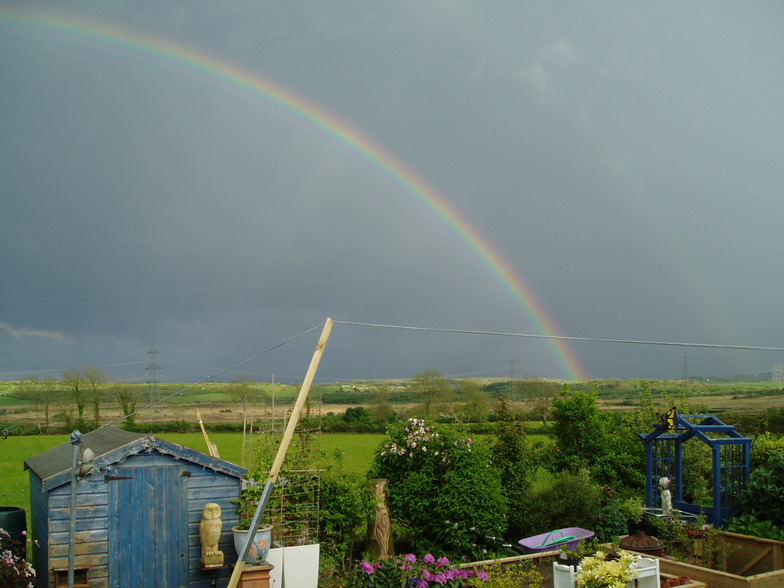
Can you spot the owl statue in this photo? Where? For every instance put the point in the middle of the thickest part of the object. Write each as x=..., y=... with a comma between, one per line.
x=209, y=533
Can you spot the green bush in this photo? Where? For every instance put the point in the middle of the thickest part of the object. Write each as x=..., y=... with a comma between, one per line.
x=750, y=525
x=573, y=499
x=763, y=496
x=517, y=462
x=521, y=573
x=442, y=486
x=610, y=521
x=346, y=504
x=602, y=443
x=763, y=447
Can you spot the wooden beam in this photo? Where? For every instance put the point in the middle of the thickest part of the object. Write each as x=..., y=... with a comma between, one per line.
x=281, y=455
x=211, y=447
x=755, y=560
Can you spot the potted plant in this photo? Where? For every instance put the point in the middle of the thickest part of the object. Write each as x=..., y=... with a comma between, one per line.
x=291, y=514
x=572, y=557
x=641, y=531
x=262, y=540
x=634, y=511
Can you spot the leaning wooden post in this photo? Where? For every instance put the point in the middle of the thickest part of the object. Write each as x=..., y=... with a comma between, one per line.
x=281, y=455
x=211, y=447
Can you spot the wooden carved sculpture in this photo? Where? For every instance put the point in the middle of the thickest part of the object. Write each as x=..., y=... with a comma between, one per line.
x=380, y=532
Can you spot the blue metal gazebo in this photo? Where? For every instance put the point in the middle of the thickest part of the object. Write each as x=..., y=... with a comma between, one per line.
x=664, y=458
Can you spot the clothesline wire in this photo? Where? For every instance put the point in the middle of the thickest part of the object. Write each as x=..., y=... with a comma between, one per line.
x=561, y=337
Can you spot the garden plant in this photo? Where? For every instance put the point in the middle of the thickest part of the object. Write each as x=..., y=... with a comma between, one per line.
x=442, y=485
x=15, y=570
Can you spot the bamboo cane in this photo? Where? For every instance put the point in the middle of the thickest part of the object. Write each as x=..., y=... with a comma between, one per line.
x=281, y=454
x=211, y=447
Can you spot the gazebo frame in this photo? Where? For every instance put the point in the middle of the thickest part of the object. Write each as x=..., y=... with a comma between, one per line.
x=664, y=458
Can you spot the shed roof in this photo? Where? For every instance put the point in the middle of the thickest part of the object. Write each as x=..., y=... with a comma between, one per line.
x=112, y=445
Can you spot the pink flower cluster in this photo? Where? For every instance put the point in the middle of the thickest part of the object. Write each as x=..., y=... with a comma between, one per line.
x=417, y=437
x=420, y=574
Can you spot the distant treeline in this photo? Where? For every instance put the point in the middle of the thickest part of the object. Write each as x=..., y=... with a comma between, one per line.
x=359, y=420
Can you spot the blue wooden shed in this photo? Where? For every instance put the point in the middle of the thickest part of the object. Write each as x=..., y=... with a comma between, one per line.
x=137, y=511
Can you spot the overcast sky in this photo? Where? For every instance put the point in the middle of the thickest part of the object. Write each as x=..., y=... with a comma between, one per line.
x=622, y=159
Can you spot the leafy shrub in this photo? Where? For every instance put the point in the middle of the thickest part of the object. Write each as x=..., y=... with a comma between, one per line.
x=602, y=443
x=522, y=573
x=442, y=486
x=775, y=420
x=763, y=447
x=610, y=519
x=572, y=500
x=621, y=461
x=578, y=430
x=514, y=458
x=346, y=504
x=750, y=525
x=763, y=496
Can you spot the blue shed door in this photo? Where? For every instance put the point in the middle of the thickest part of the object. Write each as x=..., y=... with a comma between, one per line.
x=148, y=529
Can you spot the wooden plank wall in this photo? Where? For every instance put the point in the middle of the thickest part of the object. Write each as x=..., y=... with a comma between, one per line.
x=751, y=562
x=749, y=556
x=91, y=529
x=51, y=522
x=39, y=515
x=208, y=486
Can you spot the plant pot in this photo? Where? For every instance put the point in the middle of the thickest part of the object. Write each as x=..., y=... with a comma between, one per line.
x=641, y=542
x=259, y=548
x=646, y=526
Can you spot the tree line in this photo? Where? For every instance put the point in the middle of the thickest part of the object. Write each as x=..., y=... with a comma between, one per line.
x=76, y=400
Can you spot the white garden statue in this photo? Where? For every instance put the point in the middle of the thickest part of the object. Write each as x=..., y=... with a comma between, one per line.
x=666, y=497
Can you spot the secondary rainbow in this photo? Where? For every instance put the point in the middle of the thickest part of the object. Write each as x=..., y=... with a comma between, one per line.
x=334, y=128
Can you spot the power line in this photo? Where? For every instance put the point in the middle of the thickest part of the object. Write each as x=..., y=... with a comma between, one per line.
x=564, y=338
x=215, y=375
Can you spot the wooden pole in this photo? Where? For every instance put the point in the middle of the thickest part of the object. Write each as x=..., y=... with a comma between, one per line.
x=211, y=447
x=281, y=454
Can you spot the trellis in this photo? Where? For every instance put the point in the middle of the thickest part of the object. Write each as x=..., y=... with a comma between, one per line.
x=729, y=462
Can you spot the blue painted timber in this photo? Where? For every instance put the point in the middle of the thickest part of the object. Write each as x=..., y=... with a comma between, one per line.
x=137, y=512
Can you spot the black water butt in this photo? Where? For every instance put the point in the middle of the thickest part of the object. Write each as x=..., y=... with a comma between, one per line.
x=14, y=520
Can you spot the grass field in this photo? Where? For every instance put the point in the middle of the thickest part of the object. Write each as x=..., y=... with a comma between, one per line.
x=357, y=452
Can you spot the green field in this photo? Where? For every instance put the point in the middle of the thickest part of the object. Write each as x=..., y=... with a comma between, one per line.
x=357, y=450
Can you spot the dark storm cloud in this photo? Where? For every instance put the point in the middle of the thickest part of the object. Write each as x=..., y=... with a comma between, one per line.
x=622, y=158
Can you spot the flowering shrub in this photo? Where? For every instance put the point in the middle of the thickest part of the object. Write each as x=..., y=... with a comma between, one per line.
x=599, y=572
x=442, y=486
x=407, y=570
x=15, y=571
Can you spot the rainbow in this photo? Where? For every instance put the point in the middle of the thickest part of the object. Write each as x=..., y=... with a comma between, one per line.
x=337, y=130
